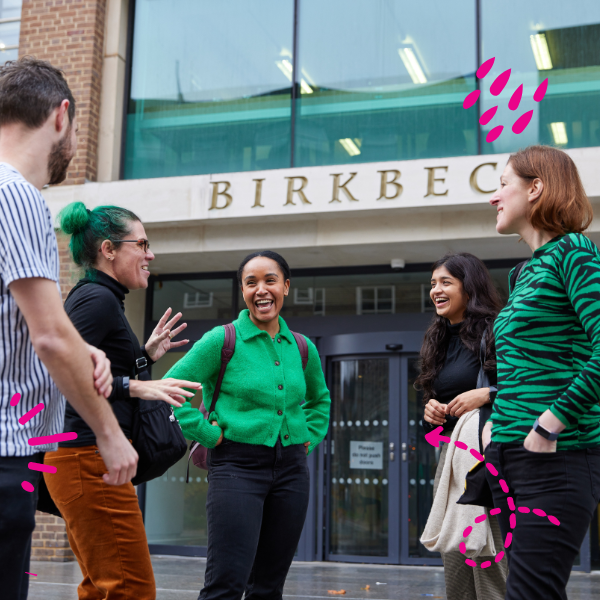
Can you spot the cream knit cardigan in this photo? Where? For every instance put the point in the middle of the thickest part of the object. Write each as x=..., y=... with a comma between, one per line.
x=448, y=520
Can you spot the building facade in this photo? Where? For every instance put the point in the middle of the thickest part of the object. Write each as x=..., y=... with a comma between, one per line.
x=334, y=133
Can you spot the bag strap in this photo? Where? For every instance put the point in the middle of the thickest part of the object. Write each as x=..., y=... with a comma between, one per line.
x=226, y=354
x=483, y=348
x=303, y=347
x=516, y=274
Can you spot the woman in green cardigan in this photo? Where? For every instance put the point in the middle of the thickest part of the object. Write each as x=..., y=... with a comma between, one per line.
x=270, y=414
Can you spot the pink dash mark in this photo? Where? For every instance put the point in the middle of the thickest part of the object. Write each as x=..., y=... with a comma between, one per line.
x=500, y=83
x=462, y=547
x=460, y=445
x=486, y=564
x=488, y=115
x=515, y=99
x=470, y=562
x=15, y=399
x=521, y=123
x=485, y=68
x=523, y=509
x=467, y=531
x=503, y=485
x=513, y=521
x=508, y=540
x=28, y=573
x=553, y=520
x=39, y=467
x=539, y=512
x=492, y=469
x=495, y=511
x=511, y=503
x=471, y=99
x=494, y=134
x=27, y=486
x=31, y=413
x=499, y=556
x=480, y=518
x=541, y=91
x=476, y=454
x=51, y=439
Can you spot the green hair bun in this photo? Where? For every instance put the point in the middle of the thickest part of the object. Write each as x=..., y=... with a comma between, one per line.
x=74, y=218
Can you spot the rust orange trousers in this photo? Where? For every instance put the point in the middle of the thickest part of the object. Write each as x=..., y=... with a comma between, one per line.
x=104, y=525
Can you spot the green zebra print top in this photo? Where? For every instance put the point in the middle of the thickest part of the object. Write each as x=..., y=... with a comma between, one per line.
x=548, y=345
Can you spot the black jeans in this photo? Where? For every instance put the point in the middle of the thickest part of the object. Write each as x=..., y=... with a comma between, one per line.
x=17, y=522
x=565, y=485
x=256, y=506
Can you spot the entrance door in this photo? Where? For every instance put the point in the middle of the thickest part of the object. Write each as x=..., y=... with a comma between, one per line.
x=377, y=470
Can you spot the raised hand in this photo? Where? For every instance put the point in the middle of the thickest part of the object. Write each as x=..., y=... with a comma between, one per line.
x=161, y=339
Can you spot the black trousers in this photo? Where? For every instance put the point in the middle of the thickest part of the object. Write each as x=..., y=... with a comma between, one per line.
x=564, y=485
x=256, y=506
x=17, y=522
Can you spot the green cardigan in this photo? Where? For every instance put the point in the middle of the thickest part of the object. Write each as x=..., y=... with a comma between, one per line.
x=265, y=395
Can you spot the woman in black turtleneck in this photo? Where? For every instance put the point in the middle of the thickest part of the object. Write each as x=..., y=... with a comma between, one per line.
x=466, y=303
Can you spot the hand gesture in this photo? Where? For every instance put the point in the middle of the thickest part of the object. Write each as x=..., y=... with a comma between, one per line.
x=435, y=413
x=160, y=342
x=168, y=390
x=464, y=403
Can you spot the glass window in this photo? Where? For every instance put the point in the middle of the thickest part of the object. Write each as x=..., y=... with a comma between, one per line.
x=210, y=87
x=549, y=39
x=384, y=80
x=195, y=298
x=10, y=26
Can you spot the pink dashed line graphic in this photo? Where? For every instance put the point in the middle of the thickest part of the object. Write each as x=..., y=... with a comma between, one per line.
x=496, y=88
x=434, y=437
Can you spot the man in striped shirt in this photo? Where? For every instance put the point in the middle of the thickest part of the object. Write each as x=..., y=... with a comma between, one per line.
x=40, y=350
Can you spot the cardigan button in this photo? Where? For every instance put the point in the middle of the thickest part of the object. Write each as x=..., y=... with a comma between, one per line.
x=276, y=363
x=279, y=412
x=286, y=437
x=279, y=340
x=280, y=387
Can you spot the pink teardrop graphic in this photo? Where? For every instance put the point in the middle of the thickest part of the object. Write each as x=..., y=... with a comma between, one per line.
x=522, y=122
x=471, y=99
x=541, y=91
x=488, y=115
x=485, y=68
x=500, y=83
x=494, y=134
x=515, y=99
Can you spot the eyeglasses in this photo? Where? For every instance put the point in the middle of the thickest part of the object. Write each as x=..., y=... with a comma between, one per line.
x=142, y=244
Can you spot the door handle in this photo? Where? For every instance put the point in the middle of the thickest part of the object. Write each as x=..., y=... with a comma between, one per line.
x=404, y=456
x=391, y=456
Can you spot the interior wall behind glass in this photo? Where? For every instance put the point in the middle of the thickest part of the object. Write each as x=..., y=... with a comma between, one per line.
x=553, y=39
x=384, y=80
x=210, y=87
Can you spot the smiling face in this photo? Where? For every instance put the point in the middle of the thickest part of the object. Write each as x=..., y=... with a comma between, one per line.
x=130, y=262
x=264, y=288
x=448, y=295
x=513, y=201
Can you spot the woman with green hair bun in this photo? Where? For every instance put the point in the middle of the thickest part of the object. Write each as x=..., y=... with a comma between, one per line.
x=104, y=523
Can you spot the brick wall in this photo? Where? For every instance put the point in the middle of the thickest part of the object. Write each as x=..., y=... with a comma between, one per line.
x=70, y=35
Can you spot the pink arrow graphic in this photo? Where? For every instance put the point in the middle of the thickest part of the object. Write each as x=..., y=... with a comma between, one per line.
x=434, y=438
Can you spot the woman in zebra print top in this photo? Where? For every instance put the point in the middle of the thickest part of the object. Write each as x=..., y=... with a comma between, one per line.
x=545, y=425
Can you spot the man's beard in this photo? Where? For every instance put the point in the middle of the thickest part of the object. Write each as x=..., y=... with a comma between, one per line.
x=59, y=159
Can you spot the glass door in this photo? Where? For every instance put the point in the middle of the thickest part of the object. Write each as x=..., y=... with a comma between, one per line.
x=362, y=508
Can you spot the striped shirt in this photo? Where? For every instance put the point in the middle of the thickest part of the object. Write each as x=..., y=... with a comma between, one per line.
x=28, y=248
x=548, y=345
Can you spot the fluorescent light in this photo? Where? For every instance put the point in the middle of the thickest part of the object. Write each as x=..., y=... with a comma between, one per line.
x=349, y=146
x=559, y=133
x=285, y=66
x=412, y=65
x=306, y=89
x=541, y=53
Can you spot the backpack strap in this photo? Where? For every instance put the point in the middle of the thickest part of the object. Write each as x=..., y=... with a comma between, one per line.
x=303, y=347
x=226, y=354
x=516, y=274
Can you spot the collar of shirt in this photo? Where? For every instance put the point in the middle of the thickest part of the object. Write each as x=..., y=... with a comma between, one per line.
x=248, y=329
x=101, y=278
x=548, y=246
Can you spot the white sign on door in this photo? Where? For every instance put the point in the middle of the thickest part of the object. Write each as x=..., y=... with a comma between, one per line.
x=366, y=455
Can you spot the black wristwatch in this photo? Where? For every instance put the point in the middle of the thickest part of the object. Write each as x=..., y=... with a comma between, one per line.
x=126, y=393
x=552, y=437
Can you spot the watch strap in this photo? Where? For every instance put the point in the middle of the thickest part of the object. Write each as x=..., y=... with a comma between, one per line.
x=126, y=391
x=538, y=428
